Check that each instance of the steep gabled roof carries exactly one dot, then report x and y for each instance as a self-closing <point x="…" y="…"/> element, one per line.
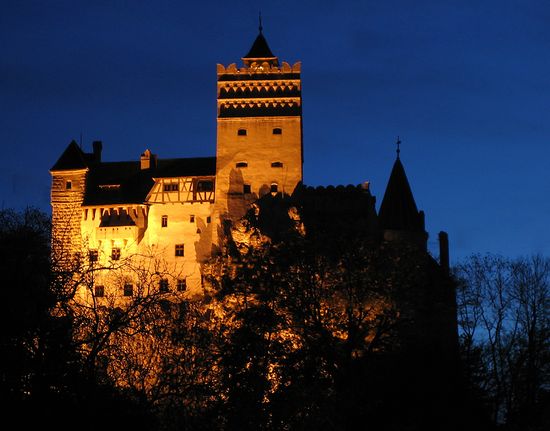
<point x="125" y="182"/>
<point x="398" y="210"/>
<point x="72" y="158"/>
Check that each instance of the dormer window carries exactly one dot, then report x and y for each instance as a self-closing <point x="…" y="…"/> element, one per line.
<point x="277" y="131"/>
<point x="242" y="165"/>
<point x="277" y="164"/>
<point x="241" y="132"/>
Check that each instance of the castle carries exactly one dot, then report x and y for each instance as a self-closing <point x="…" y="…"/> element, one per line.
<point x="175" y="209"/>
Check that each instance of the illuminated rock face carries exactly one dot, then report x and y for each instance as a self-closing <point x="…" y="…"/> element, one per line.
<point x="171" y="211"/>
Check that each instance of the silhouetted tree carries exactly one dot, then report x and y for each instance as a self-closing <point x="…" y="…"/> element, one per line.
<point x="504" y="315"/>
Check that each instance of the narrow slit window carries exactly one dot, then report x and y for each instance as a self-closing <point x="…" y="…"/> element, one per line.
<point x="277" y="164"/>
<point x="163" y="286"/>
<point x="115" y="254"/>
<point x="182" y="285"/>
<point x="241" y="132"/>
<point x="128" y="289"/>
<point x="191" y="219"/>
<point x="208" y="219"/>
<point x="242" y="165"/>
<point x="180" y="250"/>
<point x="93" y="255"/>
<point x="68" y="185"/>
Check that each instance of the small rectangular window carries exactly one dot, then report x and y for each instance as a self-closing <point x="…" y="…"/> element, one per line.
<point x="241" y="132"/>
<point x="191" y="219"/>
<point x="277" y="164"/>
<point x="172" y="187"/>
<point x="274" y="188"/>
<point x="128" y="289"/>
<point x="115" y="253"/>
<point x="163" y="285"/>
<point x="69" y="185"/>
<point x="180" y="250"/>
<point x="277" y="131"/>
<point x="182" y="285"/>
<point x="93" y="255"/>
<point x="205" y="186"/>
<point x="164" y="221"/>
<point x="246" y="189"/>
<point x="208" y="219"/>
<point x="99" y="291"/>
<point x="242" y="165"/>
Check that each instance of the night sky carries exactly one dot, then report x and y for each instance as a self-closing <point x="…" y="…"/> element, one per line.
<point x="465" y="84"/>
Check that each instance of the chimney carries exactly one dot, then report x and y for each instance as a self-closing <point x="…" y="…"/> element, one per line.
<point x="444" y="251"/>
<point x="148" y="160"/>
<point x="98" y="146"/>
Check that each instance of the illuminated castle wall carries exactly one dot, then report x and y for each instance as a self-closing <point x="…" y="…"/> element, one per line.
<point x="173" y="209"/>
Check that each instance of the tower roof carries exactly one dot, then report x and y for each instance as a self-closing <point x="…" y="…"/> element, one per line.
<point x="260" y="48"/>
<point x="72" y="158"/>
<point x="398" y="210"/>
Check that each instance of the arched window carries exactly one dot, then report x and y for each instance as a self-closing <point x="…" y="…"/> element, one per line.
<point x="277" y="131"/>
<point x="274" y="188"/>
<point x="242" y="164"/>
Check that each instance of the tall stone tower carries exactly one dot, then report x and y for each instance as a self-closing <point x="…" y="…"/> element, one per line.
<point x="259" y="130"/>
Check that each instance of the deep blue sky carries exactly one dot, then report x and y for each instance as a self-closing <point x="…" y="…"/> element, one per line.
<point x="464" y="83"/>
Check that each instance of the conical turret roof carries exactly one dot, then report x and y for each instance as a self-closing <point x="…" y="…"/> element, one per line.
<point x="398" y="210"/>
<point x="260" y="48"/>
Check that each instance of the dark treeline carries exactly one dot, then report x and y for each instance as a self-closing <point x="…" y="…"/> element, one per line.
<point x="292" y="333"/>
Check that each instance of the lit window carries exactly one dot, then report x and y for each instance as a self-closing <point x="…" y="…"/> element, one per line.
<point x="99" y="291"/>
<point x="172" y="187"/>
<point x="274" y="188"/>
<point x="93" y="255"/>
<point x="247" y="189"/>
<point x="241" y="132"/>
<point x="164" y="221"/>
<point x="277" y="131"/>
<point x="69" y="185"/>
<point x="115" y="253"/>
<point x="182" y="285"/>
<point x="277" y="164"/>
<point x="180" y="250"/>
<point x="208" y="219"/>
<point x="128" y="289"/>
<point x="163" y="285"/>
<point x="191" y="219"/>
<point x="242" y="165"/>
<point x="205" y="186"/>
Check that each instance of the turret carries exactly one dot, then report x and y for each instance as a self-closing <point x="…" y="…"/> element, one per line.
<point x="399" y="218"/>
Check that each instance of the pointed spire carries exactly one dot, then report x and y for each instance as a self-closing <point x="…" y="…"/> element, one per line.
<point x="398" y="143"/>
<point x="260" y="51"/>
<point x="398" y="210"/>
